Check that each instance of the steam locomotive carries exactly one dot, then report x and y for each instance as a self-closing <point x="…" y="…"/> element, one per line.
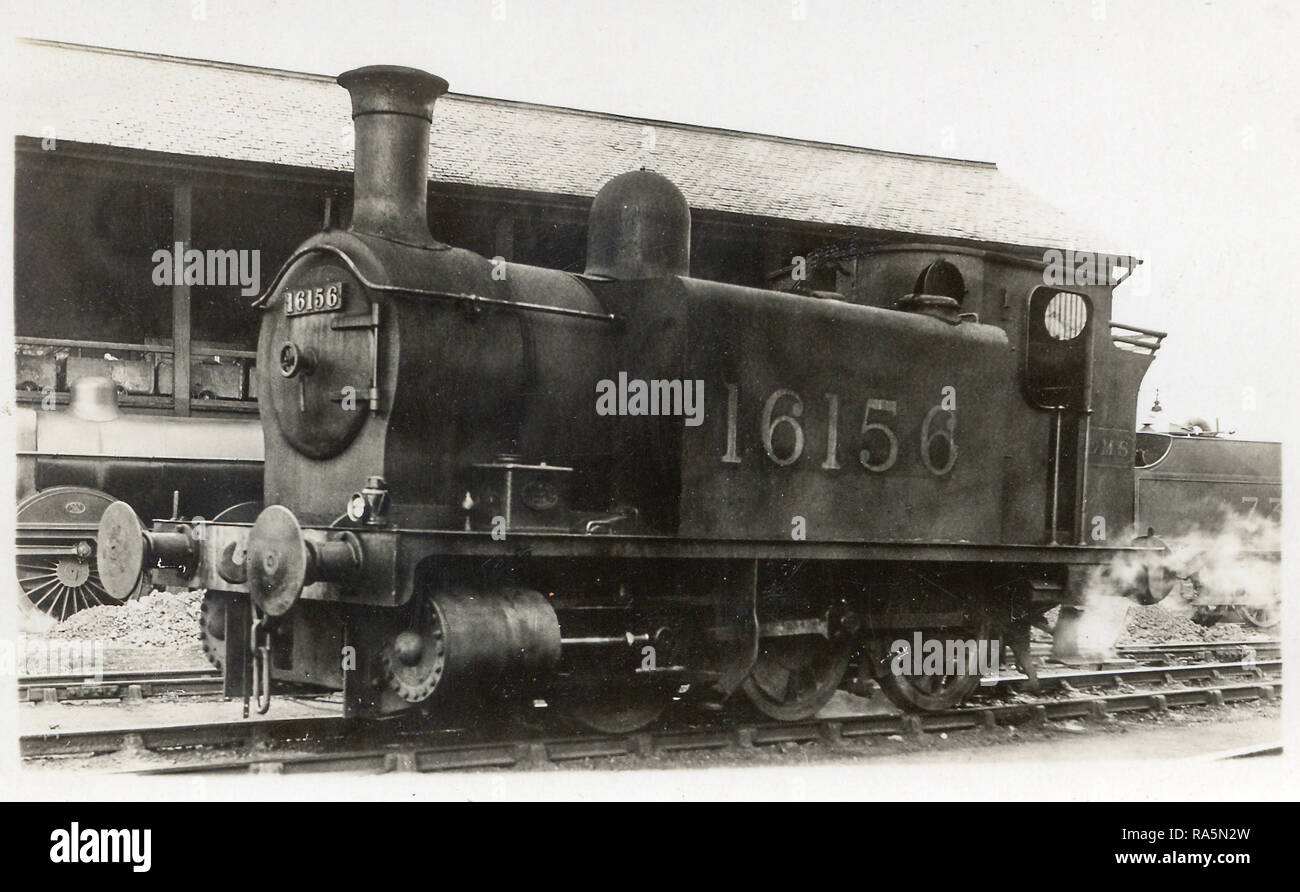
<point x="488" y="482"/>
<point x="69" y="461"/>
<point x="1217" y="502"/>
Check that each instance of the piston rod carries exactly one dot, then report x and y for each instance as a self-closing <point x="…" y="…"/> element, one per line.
<point x="626" y="638"/>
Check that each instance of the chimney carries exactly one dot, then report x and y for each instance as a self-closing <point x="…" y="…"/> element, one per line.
<point x="392" y="109"/>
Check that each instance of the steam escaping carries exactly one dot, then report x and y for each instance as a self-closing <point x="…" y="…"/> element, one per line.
<point x="1228" y="564"/>
<point x="1089" y="634"/>
<point x="1232" y="562"/>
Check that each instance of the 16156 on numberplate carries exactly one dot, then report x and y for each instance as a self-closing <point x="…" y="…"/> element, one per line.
<point x="321" y="299"/>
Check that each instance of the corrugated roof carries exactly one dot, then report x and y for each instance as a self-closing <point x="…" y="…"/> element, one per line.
<point x="142" y="101"/>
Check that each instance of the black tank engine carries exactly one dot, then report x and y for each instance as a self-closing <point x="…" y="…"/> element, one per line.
<point x="617" y="488"/>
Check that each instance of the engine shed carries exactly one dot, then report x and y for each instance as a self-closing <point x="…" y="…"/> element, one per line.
<point x="145" y="227"/>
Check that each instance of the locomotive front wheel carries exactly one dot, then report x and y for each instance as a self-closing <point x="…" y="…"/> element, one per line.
<point x="795" y="676"/>
<point x="611" y="707"/>
<point x="934" y="691"/>
<point x="212" y="627"/>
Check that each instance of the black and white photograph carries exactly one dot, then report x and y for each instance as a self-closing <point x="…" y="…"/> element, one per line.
<point x="525" y="400"/>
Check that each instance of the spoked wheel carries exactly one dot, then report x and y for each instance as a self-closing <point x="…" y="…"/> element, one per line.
<point x="935" y="691"/>
<point x="1267" y="617"/>
<point x="796" y="675"/>
<point x="64" y="579"/>
<point x="610" y="707"/>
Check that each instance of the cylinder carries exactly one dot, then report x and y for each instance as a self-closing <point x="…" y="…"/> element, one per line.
<point x="506" y="634"/>
<point x="392" y="108"/>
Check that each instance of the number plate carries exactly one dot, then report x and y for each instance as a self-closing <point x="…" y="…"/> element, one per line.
<point x="321" y="299"/>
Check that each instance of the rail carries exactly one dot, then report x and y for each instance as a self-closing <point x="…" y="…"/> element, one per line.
<point x="837" y="731"/>
<point x="409" y="746"/>
<point x="1203" y="651"/>
<point x="122" y="685"/>
<point x="1142" y="339"/>
<point x="149" y="387"/>
<point x="163" y="348"/>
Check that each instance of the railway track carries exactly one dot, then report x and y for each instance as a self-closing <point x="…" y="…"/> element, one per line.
<point x="401" y="746"/>
<point x="1201" y="649"/>
<point x="1119" y="677"/>
<point x="146" y="683"/>
<point x="526" y="753"/>
<point x="122" y="685"/>
<point x="1204" y="651"/>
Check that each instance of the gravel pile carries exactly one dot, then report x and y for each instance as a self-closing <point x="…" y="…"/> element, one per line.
<point x="1157" y="625"/>
<point x="158" y="619"/>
